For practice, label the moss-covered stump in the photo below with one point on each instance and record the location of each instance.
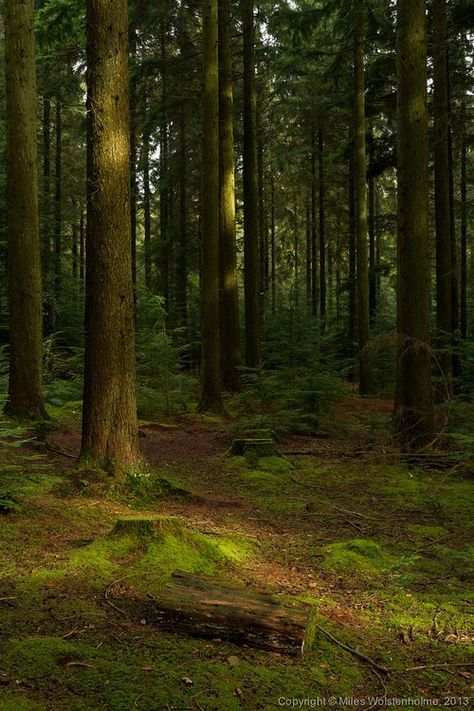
(200, 607)
(148, 527)
(265, 434)
(254, 447)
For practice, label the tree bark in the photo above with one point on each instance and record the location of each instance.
(24, 250)
(413, 416)
(360, 169)
(133, 150)
(182, 247)
(322, 232)
(163, 251)
(444, 256)
(57, 208)
(352, 261)
(231, 357)
(109, 431)
(372, 245)
(463, 216)
(210, 364)
(314, 239)
(250, 176)
(146, 208)
(272, 243)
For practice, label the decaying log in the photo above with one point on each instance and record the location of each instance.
(202, 608)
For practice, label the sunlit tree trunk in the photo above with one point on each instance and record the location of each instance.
(24, 251)
(413, 417)
(110, 432)
(250, 176)
(231, 357)
(210, 365)
(360, 170)
(146, 208)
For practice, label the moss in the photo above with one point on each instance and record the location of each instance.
(40, 656)
(274, 464)
(19, 703)
(357, 556)
(264, 482)
(422, 532)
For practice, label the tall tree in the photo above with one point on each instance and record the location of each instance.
(360, 170)
(231, 356)
(110, 432)
(24, 252)
(253, 355)
(413, 417)
(444, 255)
(322, 230)
(210, 365)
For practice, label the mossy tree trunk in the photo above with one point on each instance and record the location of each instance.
(231, 356)
(210, 364)
(413, 417)
(444, 256)
(110, 432)
(253, 355)
(360, 171)
(24, 251)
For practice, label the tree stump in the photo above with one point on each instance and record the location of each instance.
(255, 447)
(202, 608)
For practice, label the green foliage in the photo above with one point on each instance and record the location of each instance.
(163, 388)
(286, 399)
(8, 502)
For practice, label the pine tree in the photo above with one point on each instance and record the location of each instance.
(413, 418)
(24, 254)
(110, 432)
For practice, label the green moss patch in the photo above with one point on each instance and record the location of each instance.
(356, 557)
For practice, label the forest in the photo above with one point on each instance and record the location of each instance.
(236, 354)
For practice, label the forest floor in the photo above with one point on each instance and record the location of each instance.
(382, 546)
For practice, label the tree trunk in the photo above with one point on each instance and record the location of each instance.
(352, 261)
(250, 176)
(463, 194)
(272, 244)
(231, 356)
(372, 246)
(182, 247)
(133, 151)
(82, 248)
(24, 251)
(308, 250)
(210, 364)
(444, 256)
(163, 256)
(74, 251)
(322, 232)
(57, 209)
(360, 169)
(314, 240)
(109, 432)
(413, 417)
(146, 208)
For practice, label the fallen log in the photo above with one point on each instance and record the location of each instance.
(200, 607)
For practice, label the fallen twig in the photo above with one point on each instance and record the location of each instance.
(446, 665)
(351, 650)
(59, 451)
